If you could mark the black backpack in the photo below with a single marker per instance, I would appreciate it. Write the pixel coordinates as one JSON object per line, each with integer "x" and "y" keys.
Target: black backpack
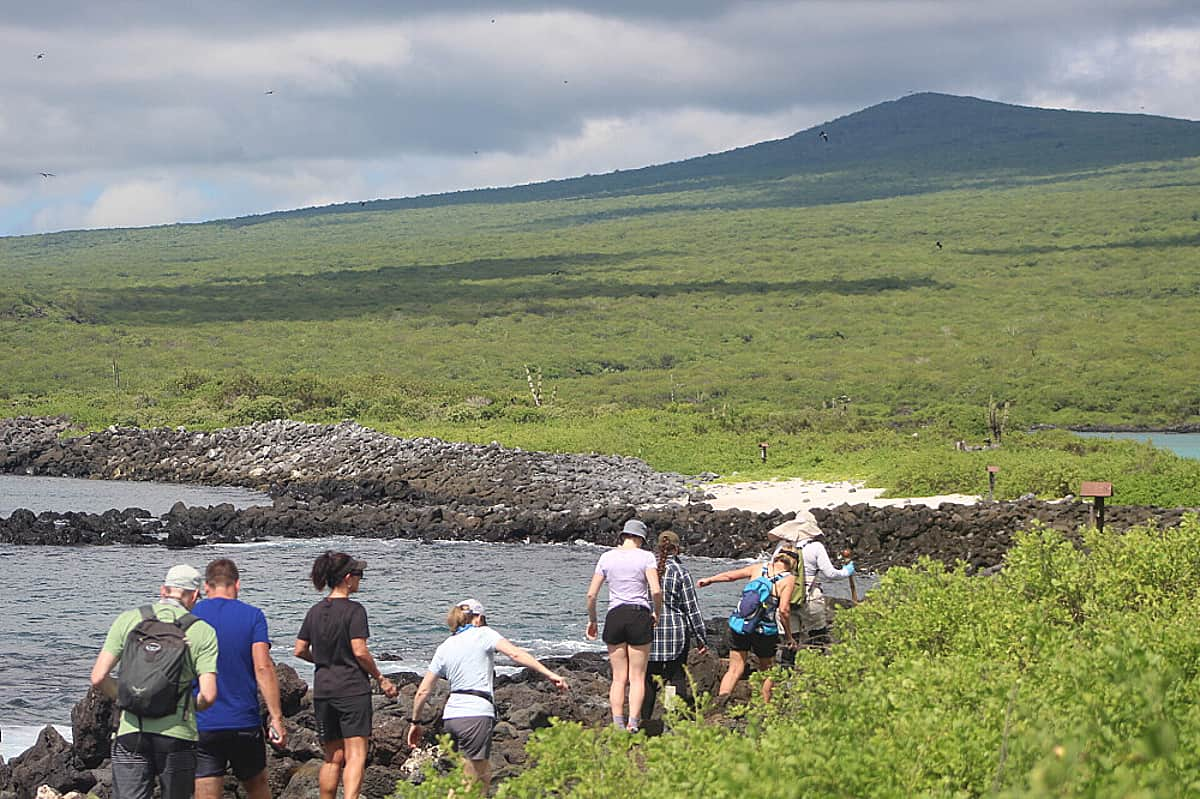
{"x": 148, "y": 685}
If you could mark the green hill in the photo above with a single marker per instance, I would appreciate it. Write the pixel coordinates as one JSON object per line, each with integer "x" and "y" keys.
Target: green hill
{"x": 935, "y": 254}
{"x": 897, "y": 147}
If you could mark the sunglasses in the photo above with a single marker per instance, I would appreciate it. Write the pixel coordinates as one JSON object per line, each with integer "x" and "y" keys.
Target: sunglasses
{"x": 356, "y": 573}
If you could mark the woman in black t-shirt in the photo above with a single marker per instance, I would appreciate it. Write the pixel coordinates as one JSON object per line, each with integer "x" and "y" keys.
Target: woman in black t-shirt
{"x": 334, "y": 638}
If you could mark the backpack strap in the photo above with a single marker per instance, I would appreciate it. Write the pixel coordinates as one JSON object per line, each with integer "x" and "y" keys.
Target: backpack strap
{"x": 147, "y": 612}
{"x": 185, "y": 621}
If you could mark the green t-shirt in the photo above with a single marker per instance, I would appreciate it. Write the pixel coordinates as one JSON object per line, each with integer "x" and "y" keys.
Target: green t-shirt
{"x": 202, "y": 641}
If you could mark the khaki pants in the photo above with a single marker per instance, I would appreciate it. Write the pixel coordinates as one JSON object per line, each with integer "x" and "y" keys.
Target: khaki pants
{"x": 812, "y": 614}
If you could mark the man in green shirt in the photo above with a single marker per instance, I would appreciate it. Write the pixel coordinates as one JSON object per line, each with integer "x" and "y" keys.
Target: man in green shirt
{"x": 161, "y": 748}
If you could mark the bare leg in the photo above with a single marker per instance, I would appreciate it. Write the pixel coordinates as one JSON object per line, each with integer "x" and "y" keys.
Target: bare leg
{"x": 639, "y": 656}
{"x": 763, "y": 665}
{"x": 737, "y": 664}
{"x": 356, "y": 763}
{"x": 256, "y": 787}
{"x": 331, "y": 769}
{"x": 480, "y": 770}
{"x": 211, "y": 787}
{"x": 618, "y": 658}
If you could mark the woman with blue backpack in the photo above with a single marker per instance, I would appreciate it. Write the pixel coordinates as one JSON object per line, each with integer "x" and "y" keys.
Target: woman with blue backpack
{"x": 754, "y": 625}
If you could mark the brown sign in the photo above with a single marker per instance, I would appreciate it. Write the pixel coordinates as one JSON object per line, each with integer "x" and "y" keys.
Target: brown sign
{"x": 1094, "y": 489}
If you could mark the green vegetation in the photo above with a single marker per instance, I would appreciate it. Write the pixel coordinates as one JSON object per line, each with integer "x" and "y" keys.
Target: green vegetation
{"x": 1072, "y": 673}
{"x": 683, "y": 316}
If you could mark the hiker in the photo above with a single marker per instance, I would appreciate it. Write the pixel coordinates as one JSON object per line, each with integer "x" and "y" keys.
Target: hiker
{"x": 467, "y": 660}
{"x": 634, "y": 607}
{"x": 809, "y": 614}
{"x": 754, "y": 624}
{"x": 680, "y": 625}
{"x": 334, "y": 636}
{"x": 161, "y": 648}
{"x": 231, "y": 731}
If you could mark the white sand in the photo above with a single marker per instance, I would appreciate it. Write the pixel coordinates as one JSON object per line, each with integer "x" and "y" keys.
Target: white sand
{"x": 789, "y": 495}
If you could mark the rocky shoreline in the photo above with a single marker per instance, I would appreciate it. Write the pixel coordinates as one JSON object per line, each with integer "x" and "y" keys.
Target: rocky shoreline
{"x": 347, "y": 480}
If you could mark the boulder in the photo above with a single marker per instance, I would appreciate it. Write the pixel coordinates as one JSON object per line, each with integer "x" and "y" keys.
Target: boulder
{"x": 50, "y": 761}
{"x": 292, "y": 689}
{"x": 92, "y": 721}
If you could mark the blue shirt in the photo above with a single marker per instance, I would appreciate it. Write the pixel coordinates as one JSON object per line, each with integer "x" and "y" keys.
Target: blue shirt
{"x": 239, "y": 626}
{"x": 467, "y": 660}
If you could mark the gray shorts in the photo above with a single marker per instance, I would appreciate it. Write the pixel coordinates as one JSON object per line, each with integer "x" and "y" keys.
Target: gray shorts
{"x": 472, "y": 735}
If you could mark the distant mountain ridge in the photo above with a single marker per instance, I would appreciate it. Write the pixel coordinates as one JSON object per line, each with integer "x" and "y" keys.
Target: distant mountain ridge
{"x": 922, "y": 135}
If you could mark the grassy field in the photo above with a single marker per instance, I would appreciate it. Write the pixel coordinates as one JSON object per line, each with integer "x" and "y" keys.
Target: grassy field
{"x": 684, "y": 326}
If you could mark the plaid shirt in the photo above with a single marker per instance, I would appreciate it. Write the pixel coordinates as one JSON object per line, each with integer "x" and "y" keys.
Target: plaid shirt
{"x": 681, "y": 618}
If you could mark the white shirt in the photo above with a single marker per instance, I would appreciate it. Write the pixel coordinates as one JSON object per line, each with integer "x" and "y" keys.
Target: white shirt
{"x": 467, "y": 659}
{"x": 816, "y": 560}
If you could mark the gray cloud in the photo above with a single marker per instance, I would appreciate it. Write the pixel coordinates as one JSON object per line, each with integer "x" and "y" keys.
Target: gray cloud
{"x": 394, "y": 98}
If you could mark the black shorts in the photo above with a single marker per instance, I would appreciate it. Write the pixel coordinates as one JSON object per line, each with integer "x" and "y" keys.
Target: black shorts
{"x": 241, "y": 750}
{"x": 341, "y": 717}
{"x": 472, "y": 735}
{"x": 760, "y": 644}
{"x": 629, "y": 624}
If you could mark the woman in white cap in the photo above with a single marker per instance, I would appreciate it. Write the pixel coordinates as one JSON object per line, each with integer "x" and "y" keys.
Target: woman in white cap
{"x": 467, "y": 660}
{"x": 634, "y": 607}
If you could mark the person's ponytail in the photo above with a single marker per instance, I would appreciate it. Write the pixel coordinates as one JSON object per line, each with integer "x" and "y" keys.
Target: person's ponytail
{"x": 328, "y": 569}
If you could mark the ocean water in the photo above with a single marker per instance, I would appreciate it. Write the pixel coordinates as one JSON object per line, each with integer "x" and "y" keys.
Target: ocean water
{"x": 1186, "y": 445}
{"x": 59, "y": 602}
{"x": 62, "y": 494}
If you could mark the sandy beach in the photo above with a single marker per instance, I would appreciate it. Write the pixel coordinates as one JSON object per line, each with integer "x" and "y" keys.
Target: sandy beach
{"x": 786, "y": 495}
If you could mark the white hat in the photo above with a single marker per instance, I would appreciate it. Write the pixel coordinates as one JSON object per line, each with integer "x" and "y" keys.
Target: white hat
{"x": 798, "y": 530}
{"x": 472, "y": 606}
{"x": 183, "y": 576}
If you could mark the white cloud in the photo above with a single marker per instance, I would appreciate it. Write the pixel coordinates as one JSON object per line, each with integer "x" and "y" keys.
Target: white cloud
{"x": 142, "y": 202}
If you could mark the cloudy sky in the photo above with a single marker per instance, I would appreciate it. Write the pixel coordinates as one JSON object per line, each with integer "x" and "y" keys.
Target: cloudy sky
{"x": 146, "y": 114}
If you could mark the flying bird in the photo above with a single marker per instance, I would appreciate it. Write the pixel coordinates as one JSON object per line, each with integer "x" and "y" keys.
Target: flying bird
{"x": 47, "y": 174}
{"x": 40, "y": 56}
{"x": 824, "y": 136}
{"x": 269, "y": 91}
{"x": 938, "y": 244}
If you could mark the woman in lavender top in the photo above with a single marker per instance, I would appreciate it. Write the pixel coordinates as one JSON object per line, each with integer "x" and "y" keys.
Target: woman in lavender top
{"x": 634, "y": 605}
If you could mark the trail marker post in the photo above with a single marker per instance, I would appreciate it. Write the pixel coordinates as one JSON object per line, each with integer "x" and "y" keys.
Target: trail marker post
{"x": 992, "y": 482}
{"x": 1098, "y": 491}
{"x": 762, "y": 447}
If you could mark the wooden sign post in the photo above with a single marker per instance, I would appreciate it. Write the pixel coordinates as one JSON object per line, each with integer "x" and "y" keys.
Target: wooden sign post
{"x": 1097, "y": 491}
{"x": 992, "y": 482}
{"x": 762, "y": 447}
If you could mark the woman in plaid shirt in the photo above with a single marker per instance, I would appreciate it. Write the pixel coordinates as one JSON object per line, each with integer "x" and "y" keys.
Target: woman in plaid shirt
{"x": 681, "y": 624}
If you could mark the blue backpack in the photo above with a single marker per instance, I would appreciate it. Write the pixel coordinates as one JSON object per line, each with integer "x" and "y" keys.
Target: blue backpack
{"x": 756, "y": 609}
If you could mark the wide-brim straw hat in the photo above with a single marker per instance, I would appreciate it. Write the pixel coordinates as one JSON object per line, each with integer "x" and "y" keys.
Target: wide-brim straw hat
{"x": 798, "y": 530}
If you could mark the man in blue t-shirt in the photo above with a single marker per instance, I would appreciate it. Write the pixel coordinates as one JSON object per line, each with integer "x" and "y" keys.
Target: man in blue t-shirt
{"x": 231, "y": 731}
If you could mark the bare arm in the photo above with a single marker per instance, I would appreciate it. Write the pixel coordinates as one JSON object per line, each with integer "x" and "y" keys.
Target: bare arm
{"x": 303, "y": 650}
{"x": 744, "y": 573}
{"x": 367, "y": 663}
{"x": 208, "y": 690}
{"x": 268, "y": 686}
{"x": 101, "y": 680}
{"x": 506, "y": 647}
{"x": 655, "y": 592}
{"x": 592, "y": 594}
{"x": 419, "y": 699}
{"x": 786, "y": 586}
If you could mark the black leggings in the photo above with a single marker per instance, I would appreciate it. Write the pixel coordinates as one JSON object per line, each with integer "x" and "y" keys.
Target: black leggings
{"x": 672, "y": 673}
